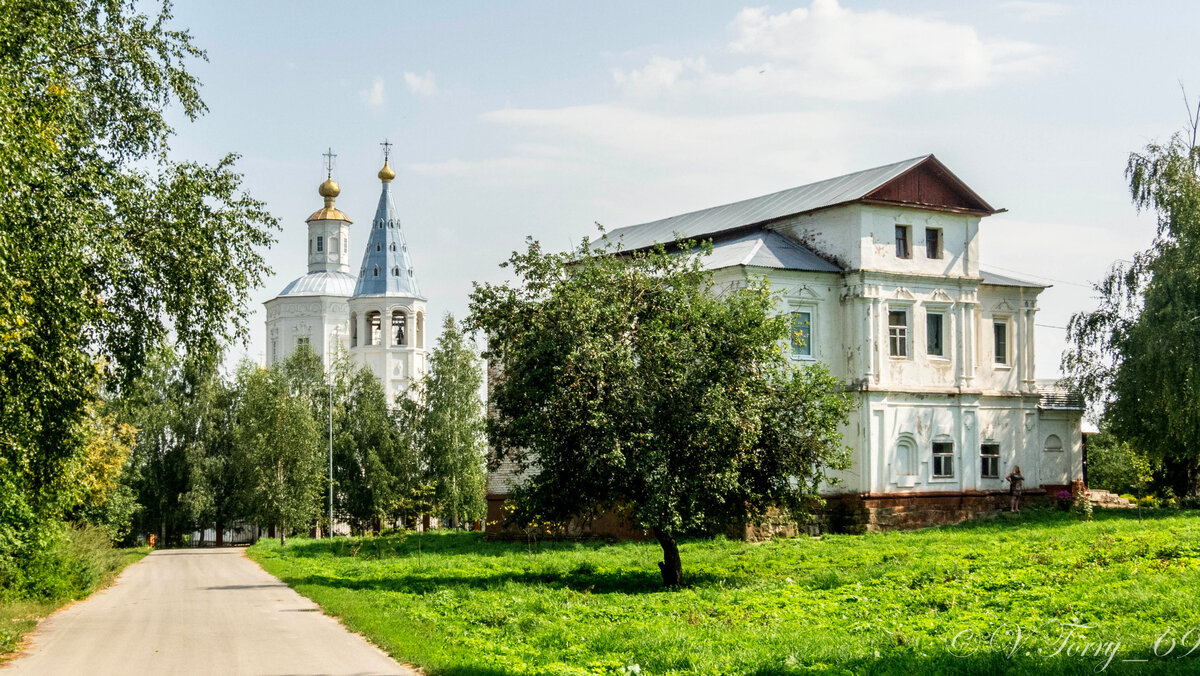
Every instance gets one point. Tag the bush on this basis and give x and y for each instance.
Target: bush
(1083, 505)
(1129, 496)
(70, 565)
(1149, 502)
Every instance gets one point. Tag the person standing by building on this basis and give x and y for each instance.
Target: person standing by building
(1016, 485)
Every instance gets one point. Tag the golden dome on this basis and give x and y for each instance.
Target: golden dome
(329, 188)
(386, 174)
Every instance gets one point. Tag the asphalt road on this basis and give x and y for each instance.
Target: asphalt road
(197, 612)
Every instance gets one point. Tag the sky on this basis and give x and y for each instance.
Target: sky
(542, 119)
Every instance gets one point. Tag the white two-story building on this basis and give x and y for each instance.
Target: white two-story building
(880, 273)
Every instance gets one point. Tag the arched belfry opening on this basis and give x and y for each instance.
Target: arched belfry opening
(399, 328)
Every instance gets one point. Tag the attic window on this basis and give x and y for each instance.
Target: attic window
(903, 242)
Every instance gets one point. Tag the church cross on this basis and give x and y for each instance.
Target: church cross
(329, 155)
(387, 149)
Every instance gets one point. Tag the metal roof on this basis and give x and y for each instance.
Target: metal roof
(765, 249)
(996, 279)
(788, 202)
(387, 268)
(320, 284)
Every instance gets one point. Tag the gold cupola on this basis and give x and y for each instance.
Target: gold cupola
(386, 174)
(329, 190)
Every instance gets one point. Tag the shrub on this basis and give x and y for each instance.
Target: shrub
(73, 563)
(1083, 505)
(1149, 502)
(1129, 496)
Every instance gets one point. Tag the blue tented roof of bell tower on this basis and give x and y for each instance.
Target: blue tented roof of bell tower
(386, 265)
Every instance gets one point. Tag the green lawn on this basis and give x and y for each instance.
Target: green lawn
(18, 617)
(878, 603)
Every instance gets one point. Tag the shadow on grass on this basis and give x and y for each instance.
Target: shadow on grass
(988, 664)
(623, 581)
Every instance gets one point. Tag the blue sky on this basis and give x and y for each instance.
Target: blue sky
(542, 118)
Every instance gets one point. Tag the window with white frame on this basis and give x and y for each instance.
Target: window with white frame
(801, 335)
(935, 334)
(1000, 340)
(898, 333)
(943, 459)
(320, 243)
(989, 460)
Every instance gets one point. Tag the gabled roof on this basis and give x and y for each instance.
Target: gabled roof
(878, 185)
(386, 265)
(765, 249)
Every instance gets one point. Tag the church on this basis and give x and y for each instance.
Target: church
(879, 272)
(377, 314)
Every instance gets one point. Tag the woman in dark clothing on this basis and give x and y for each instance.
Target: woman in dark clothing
(1016, 485)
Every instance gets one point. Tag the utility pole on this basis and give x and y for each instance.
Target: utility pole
(331, 455)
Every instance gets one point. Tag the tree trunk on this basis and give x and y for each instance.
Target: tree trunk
(671, 566)
(282, 539)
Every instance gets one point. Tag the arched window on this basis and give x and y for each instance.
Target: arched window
(1053, 444)
(373, 327)
(420, 329)
(396, 271)
(393, 246)
(353, 329)
(399, 327)
(375, 271)
(379, 247)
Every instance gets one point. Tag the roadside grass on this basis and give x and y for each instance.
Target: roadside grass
(1010, 589)
(82, 563)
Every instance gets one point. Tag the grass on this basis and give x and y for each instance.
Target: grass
(882, 603)
(82, 564)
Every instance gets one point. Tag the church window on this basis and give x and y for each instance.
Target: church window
(933, 243)
(353, 329)
(375, 271)
(399, 327)
(903, 248)
(943, 459)
(301, 340)
(420, 329)
(320, 244)
(310, 247)
(989, 459)
(801, 338)
(379, 247)
(393, 246)
(374, 320)
(1000, 341)
(898, 333)
(934, 332)
(343, 244)
(906, 456)
(396, 271)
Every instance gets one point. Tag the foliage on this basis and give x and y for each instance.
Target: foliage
(107, 245)
(882, 603)
(1126, 354)
(1111, 463)
(1083, 505)
(452, 427)
(630, 381)
(280, 450)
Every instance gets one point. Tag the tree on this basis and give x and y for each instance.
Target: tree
(106, 244)
(280, 451)
(452, 427)
(630, 382)
(1134, 356)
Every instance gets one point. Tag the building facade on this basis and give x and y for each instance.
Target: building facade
(880, 274)
(377, 316)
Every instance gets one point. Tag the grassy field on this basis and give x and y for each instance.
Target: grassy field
(18, 617)
(1004, 596)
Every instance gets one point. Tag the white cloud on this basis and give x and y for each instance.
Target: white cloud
(422, 85)
(1035, 11)
(830, 52)
(373, 97)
